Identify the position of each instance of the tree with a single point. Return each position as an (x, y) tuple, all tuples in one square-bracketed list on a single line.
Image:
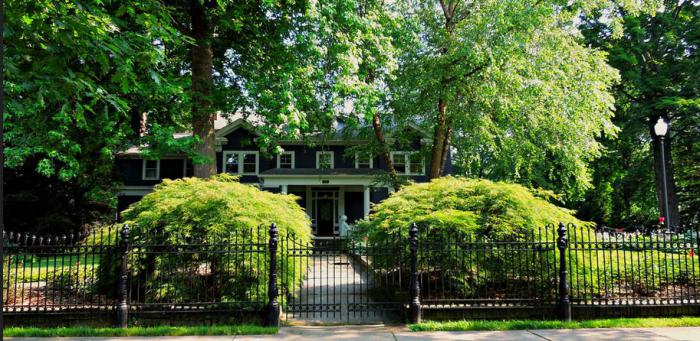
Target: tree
[(77, 77), (509, 84), (657, 56)]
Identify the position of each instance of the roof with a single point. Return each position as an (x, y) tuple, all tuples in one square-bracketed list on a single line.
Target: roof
[(317, 171), (226, 123)]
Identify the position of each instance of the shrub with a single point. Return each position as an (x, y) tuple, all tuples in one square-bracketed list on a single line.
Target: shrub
[(215, 211), (452, 212), (466, 205)]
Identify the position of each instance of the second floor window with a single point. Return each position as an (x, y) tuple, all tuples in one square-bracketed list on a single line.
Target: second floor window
[(285, 160), (324, 160), (244, 163), (408, 163), (363, 160), (150, 170)]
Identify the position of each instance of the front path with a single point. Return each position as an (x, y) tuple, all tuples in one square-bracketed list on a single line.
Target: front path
[(336, 290)]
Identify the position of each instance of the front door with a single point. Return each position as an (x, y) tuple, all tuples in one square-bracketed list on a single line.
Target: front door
[(324, 217), (325, 212)]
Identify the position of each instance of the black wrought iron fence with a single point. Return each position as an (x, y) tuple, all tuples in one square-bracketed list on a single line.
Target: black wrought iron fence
[(627, 269), (57, 273), (459, 269), (565, 270)]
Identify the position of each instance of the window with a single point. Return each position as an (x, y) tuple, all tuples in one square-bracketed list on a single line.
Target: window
[(150, 170), (285, 160), (408, 163), (363, 160), (244, 163), (324, 160)]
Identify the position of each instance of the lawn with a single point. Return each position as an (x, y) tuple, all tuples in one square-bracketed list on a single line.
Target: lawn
[(139, 331), (540, 324)]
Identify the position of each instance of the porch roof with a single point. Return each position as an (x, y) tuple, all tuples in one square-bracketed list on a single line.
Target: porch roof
[(279, 172)]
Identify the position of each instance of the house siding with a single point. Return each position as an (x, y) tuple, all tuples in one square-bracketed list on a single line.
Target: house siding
[(242, 139)]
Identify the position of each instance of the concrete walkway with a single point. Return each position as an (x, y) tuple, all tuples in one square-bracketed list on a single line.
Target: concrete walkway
[(371, 333), (336, 290)]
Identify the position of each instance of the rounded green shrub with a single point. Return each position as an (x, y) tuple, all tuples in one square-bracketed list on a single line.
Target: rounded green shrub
[(463, 224), (466, 205), (175, 228)]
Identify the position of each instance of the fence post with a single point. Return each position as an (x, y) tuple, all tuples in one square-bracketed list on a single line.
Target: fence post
[(272, 318), (122, 292), (415, 310), (564, 302)]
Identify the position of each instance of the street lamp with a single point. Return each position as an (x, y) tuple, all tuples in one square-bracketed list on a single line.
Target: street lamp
[(660, 129)]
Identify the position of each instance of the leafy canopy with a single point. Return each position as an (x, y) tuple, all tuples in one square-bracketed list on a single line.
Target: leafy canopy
[(524, 98), (659, 66)]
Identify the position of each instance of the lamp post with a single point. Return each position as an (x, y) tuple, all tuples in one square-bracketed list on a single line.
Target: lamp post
[(660, 129)]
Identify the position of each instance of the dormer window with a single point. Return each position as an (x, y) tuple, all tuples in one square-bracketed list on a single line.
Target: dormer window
[(324, 160), (363, 160), (408, 163), (241, 163), (150, 170), (285, 160)]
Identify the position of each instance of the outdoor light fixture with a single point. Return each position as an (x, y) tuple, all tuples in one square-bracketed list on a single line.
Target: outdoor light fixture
[(661, 127)]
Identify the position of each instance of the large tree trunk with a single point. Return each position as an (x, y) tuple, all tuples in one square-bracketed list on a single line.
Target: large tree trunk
[(384, 150), (436, 159), (446, 146), (202, 114)]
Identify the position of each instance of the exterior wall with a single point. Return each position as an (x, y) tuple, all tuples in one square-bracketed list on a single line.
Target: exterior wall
[(131, 171), (304, 157), (353, 206)]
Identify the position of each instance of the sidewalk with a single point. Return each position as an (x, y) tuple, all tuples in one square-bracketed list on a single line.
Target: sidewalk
[(372, 333)]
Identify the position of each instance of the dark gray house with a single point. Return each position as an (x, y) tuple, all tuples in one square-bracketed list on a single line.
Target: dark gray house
[(334, 185)]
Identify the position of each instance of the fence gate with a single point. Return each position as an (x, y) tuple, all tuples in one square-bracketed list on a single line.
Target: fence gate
[(344, 281)]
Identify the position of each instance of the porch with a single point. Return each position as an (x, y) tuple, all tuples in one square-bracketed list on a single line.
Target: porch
[(333, 198)]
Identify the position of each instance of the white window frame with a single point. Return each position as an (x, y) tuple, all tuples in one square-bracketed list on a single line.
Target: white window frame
[(240, 154), (407, 162), (286, 153), (318, 158), (357, 160), (143, 170)]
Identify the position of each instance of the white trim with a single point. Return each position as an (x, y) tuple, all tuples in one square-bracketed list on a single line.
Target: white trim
[(365, 202), (319, 153), (241, 122), (357, 160), (407, 162), (143, 169), (134, 190), (316, 180), (241, 156), (286, 153)]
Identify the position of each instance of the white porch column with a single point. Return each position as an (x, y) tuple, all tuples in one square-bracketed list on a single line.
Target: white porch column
[(366, 201), (341, 201), (390, 189), (283, 189)]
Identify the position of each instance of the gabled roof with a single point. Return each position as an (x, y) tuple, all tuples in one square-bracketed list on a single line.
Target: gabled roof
[(225, 124)]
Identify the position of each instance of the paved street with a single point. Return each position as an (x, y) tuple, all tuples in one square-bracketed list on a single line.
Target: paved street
[(372, 333)]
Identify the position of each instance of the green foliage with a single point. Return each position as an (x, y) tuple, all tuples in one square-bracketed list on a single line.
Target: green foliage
[(139, 331), (77, 76), (216, 210), (540, 324), (659, 76), (466, 205), (525, 97)]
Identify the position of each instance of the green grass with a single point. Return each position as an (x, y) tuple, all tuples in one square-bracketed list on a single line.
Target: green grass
[(139, 331), (535, 324)]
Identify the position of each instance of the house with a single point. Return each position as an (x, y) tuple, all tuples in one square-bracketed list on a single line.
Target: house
[(333, 183)]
